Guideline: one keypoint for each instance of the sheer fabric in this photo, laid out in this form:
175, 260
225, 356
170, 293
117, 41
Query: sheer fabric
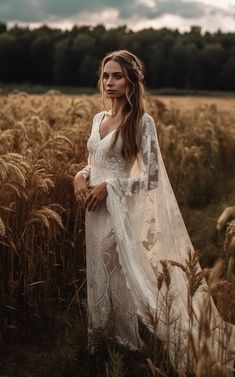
127, 237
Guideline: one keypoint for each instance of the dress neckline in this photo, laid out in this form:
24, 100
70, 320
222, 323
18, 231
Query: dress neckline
99, 124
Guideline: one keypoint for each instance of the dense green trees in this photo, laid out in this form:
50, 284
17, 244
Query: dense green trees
190, 60
10, 57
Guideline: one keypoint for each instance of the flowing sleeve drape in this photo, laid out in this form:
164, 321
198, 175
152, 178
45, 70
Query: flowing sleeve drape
149, 228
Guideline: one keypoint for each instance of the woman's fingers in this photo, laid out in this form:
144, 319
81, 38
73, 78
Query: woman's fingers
80, 197
80, 189
91, 202
95, 196
94, 205
88, 199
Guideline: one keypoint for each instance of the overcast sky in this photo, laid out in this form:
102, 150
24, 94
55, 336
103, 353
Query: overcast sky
136, 14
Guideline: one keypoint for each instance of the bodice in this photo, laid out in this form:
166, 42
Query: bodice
105, 162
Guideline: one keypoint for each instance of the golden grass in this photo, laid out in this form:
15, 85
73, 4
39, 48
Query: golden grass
190, 102
208, 354
42, 146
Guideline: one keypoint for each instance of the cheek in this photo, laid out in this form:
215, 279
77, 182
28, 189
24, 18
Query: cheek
124, 85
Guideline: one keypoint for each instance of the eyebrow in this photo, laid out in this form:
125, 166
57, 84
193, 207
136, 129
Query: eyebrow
113, 72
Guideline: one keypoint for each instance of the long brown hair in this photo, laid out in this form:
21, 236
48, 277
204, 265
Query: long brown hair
133, 110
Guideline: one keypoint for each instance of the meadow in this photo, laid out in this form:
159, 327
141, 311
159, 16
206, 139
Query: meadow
42, 251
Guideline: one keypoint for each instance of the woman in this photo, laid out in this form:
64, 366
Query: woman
132, 224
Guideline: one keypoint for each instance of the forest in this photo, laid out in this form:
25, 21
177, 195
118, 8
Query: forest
182, 60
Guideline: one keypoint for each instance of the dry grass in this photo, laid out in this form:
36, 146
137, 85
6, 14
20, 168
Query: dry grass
210, 352
42, 145
190, 102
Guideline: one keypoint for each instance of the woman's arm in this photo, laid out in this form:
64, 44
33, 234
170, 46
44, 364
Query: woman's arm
81, 188
85, 172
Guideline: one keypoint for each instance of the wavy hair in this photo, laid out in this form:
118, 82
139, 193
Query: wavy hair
133, 110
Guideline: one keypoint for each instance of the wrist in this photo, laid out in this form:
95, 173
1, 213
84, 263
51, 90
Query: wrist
79, 175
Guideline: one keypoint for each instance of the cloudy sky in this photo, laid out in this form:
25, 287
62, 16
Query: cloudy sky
136, 14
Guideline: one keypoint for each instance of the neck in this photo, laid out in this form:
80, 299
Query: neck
117, 105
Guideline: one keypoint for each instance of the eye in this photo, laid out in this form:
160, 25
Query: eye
118, 76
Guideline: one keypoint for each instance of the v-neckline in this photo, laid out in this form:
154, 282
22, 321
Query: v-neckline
99, 124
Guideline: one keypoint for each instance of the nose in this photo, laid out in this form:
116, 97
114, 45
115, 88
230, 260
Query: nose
110, 81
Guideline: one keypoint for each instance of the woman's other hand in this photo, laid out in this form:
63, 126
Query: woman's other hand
81, 189
96, 195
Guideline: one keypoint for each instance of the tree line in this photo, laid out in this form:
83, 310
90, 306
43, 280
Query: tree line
189, 60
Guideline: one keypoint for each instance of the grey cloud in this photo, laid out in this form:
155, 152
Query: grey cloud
56, 10
175, 7
62, 8
21, 10
44, 10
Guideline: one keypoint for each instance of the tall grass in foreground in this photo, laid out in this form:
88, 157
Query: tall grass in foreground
42, 146
208, 354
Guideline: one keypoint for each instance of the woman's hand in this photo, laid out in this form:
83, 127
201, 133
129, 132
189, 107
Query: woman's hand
81, 189
96, 195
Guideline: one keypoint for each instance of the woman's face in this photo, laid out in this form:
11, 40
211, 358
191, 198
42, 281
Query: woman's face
115, 83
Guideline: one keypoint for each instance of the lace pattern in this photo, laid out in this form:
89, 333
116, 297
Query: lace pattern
126, 238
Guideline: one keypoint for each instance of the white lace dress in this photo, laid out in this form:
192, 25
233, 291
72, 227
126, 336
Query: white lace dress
127, 237
111, 310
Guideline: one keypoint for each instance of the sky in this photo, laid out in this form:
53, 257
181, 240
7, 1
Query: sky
211, 15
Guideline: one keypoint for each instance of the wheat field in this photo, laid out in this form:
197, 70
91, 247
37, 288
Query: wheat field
42, 252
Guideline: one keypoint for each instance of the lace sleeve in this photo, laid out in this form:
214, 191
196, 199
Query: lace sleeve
147, 160
85, 172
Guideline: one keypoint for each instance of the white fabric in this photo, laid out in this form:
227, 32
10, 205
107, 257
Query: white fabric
126, 238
